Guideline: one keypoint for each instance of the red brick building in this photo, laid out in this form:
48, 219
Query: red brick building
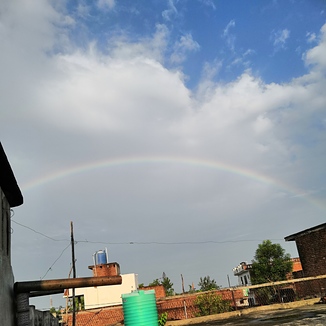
311, 245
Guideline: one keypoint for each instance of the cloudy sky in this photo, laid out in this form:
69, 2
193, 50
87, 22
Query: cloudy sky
178, 134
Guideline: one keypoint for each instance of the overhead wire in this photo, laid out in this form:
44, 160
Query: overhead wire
147, 242
50, 268
130, 243
44, 235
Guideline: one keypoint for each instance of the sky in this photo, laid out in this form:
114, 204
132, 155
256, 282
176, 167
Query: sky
178, 134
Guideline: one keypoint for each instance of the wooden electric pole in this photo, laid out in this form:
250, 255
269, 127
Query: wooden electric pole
73, 273
184, 301
233, 299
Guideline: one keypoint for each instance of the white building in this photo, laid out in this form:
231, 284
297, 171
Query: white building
243, 273
108, 295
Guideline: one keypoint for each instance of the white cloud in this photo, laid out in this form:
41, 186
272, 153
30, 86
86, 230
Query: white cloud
82, 10
227, 34
151, 47
262, 124
279, 38
230, 25
311, 37
169, 13
106, 4
316, 56
182, 47
209, 3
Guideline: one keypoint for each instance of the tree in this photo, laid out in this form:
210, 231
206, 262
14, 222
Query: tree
207, 284
167, 284
271, 263
155, 282
56, 312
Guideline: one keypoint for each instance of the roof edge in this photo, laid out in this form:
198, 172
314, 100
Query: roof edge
8, 181
293, 236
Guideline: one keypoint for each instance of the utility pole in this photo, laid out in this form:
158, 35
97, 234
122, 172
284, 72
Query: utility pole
184, 301
233, 299
73, 273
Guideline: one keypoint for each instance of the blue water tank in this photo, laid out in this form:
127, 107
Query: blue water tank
101, 257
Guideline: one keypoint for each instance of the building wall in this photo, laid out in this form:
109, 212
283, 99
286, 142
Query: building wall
159, 290
312, 252
110, 269
6, 274
108, 295
96, 317
242, 271
176, 306
44, 318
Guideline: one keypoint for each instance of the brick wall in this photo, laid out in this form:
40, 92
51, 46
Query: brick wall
174, 306
178, 306
159, 290
98, 317
312, 252
110, 269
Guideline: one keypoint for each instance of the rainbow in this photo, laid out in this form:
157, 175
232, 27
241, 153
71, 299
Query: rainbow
198, 163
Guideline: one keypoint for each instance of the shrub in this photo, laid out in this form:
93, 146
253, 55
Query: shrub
163, 318
210, 303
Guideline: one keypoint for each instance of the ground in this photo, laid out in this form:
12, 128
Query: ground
297, 316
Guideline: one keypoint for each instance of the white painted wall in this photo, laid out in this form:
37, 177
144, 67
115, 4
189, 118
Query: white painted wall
107, 295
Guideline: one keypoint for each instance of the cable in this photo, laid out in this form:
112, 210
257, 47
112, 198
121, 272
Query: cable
44, 235
174, 243
50, 268
147, 242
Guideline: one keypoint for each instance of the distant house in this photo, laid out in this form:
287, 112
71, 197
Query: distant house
109, 295
10, 197
242, 271
311, 245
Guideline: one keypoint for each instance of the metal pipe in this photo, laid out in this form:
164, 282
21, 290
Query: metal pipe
43, 293
66, 283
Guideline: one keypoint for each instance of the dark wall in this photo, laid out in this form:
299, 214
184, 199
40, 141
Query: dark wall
312, 252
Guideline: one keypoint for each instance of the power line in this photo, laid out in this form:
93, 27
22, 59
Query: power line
44, 235
50, 268
147, 242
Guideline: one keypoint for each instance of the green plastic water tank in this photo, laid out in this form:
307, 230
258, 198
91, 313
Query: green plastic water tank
139, 308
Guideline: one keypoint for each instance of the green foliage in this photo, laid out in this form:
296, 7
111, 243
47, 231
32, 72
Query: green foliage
167, 284
271, 263
79, 303
191, 289
207, 284
56, 312
163, 318
155, 282
141, 285
210, 303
